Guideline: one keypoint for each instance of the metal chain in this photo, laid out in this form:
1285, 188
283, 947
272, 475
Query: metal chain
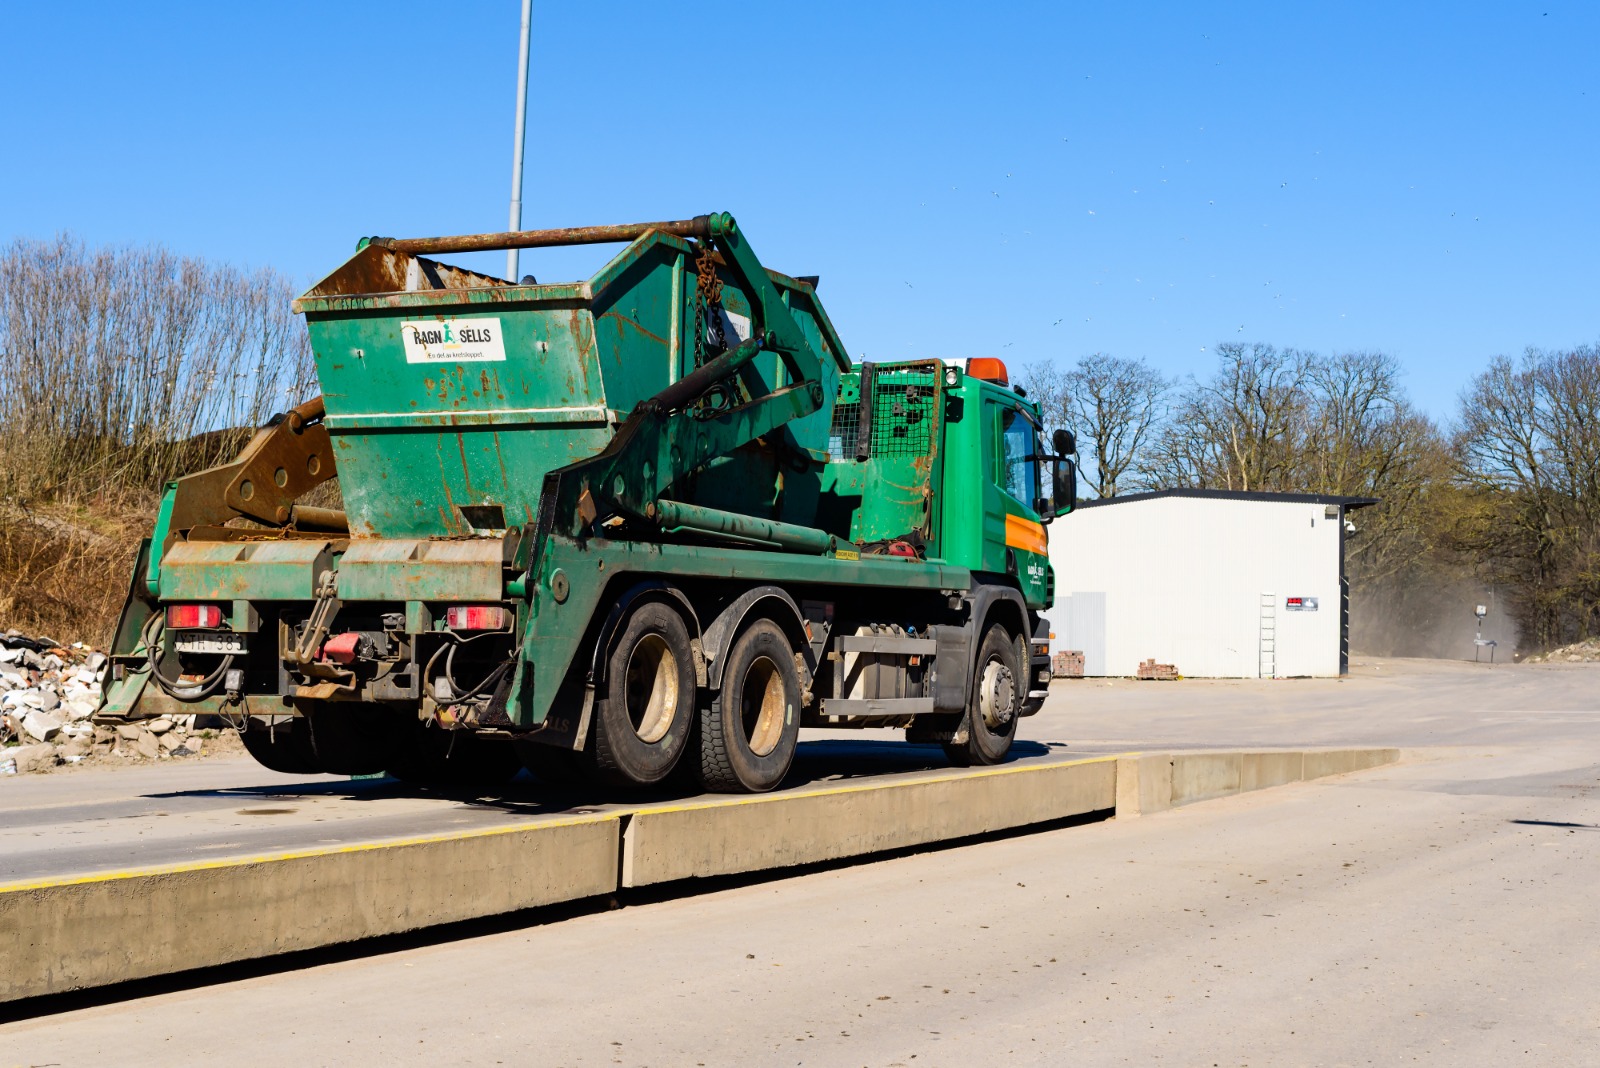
707, 305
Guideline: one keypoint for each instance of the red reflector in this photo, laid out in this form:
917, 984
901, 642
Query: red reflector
476, 617
193, 616
989, 369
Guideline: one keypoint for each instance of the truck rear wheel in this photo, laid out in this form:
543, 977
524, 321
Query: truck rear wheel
282, 745
998, 682
437, 757
642, 723
749, 732
348, 738
556, 768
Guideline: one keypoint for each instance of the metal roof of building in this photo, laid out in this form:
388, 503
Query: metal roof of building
1237, 495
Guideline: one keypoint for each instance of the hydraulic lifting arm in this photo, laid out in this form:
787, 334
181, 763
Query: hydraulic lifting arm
667, 436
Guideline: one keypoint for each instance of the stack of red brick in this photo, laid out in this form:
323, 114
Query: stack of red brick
1149, 669
1068, 665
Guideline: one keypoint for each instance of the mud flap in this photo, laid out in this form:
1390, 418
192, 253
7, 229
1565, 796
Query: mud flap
121, 696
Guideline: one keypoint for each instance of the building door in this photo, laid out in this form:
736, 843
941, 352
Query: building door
1089, 630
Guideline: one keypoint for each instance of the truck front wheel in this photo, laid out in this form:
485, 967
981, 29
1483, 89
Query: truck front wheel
642, 723
748, 734
998, 682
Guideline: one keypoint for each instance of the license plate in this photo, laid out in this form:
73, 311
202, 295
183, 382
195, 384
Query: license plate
198, 642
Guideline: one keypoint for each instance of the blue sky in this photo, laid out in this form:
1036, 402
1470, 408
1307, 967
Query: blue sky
1028, 181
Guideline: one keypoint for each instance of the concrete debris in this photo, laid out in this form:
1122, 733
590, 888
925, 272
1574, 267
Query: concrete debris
147, 746
1584, 652
26, 758
41, 726
48, 694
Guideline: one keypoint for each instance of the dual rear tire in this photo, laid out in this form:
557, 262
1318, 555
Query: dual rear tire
749, 730
650, 718
643, 720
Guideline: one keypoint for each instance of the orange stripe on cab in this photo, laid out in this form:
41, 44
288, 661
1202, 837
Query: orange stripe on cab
1026, 535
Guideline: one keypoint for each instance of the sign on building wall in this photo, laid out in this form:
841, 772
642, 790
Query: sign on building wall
1300, 604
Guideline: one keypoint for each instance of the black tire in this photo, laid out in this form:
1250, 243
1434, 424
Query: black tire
560, 769
357, 739
994, 702
282, 746
457, 758
642, 720
749, 731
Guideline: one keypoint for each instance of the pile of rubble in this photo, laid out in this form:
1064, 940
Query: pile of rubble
47, 694
1584, 652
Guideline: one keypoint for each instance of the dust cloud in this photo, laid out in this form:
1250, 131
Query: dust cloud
1433, 619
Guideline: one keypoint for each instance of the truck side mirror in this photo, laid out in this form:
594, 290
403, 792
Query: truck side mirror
1063, 488
1064, 443
1063, 481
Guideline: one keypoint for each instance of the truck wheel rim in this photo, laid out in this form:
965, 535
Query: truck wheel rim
761, 706
997, 694
652, 688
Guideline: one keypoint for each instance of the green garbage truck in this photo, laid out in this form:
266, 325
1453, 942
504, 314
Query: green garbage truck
646, 525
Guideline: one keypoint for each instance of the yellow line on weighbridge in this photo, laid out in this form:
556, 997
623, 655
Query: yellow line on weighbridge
950, 776
488, 832
305, 854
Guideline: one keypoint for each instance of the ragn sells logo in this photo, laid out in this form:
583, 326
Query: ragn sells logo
453, 341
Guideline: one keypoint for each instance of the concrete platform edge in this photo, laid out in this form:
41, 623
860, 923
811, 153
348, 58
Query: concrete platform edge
95, 930
760, 833
1154, 782
72, 934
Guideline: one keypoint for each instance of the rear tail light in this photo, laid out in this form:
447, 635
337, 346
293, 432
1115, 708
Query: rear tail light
477, 617
193, 617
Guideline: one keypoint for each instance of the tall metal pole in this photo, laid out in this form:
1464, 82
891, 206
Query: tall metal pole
516, 154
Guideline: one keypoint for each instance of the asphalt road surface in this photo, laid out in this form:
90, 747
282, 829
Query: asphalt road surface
1439, 911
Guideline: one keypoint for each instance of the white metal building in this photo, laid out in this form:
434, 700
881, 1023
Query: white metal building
1219, 584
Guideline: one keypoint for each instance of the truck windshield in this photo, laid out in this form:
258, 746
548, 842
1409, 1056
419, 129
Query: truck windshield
1019, 461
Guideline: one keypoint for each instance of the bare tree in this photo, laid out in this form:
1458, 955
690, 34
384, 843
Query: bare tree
1529, 448
1112, 404
1239, 429
122, 367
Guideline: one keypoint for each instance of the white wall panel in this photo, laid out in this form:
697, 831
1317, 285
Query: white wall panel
1182, 579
